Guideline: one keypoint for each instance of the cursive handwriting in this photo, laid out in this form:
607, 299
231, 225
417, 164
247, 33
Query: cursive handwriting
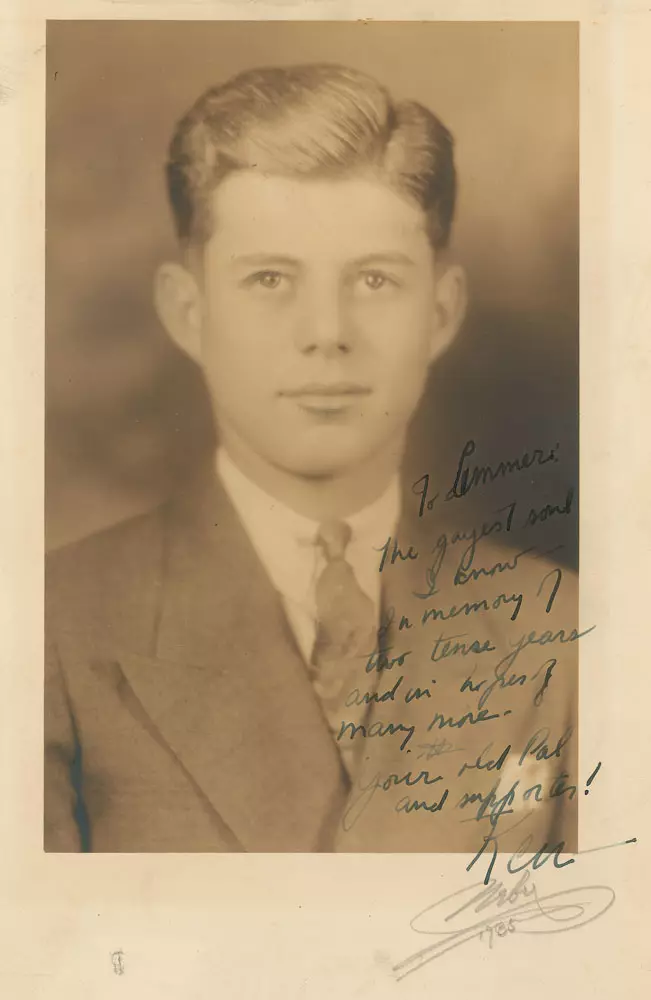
359, 801
376, 729
472, 608
536, 860
490, 912
468, 478
543, 639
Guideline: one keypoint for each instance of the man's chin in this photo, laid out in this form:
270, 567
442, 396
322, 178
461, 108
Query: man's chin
332, 463
333, 455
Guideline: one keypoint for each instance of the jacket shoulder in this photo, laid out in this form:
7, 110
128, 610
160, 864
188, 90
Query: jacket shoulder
107, 584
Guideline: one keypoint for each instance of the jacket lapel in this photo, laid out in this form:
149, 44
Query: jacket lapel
227, 688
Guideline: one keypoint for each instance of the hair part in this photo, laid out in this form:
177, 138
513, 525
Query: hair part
316, 120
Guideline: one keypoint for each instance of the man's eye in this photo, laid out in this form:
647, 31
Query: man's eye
266, 279
375, 280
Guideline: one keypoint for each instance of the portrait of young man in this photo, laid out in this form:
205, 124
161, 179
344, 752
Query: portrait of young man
293, 650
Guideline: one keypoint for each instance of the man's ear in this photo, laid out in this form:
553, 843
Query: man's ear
177, 299
450, 307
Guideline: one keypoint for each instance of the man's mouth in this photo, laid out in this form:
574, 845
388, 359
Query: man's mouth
324, 398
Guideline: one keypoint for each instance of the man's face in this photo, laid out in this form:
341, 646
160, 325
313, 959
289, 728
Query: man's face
319, 319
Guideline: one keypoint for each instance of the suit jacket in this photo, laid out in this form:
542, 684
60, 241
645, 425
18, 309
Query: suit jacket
179, 715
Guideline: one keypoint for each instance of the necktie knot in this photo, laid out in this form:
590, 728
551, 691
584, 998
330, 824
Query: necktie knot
333, 538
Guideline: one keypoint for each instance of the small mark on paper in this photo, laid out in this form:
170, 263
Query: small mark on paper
117, 958
5, 92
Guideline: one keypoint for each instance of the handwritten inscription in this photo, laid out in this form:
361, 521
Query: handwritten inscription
495, 909
488, 913
474, 674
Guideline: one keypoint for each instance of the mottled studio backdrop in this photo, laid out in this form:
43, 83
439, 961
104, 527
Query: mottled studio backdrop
127, 415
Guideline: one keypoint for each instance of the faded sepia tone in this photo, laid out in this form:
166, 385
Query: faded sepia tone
186, 706
124, 408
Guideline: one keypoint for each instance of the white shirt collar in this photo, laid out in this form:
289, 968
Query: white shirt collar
285, 543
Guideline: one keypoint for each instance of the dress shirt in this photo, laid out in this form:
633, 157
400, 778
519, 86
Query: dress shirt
286, 545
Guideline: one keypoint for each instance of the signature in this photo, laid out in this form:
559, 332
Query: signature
489, 912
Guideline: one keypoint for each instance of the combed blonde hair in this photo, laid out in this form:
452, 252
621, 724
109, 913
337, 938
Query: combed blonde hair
308, 120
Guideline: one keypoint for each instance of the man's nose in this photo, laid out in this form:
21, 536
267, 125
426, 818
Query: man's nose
325, 324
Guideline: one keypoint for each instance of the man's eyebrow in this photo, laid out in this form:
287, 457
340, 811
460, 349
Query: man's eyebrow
386, 257
270, 259
265, 259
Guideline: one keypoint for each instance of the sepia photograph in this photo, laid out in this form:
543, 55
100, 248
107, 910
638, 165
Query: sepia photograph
312, 438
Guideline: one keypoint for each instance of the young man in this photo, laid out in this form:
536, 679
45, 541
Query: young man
215, 676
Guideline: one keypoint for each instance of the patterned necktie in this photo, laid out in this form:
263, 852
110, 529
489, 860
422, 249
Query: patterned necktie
346, 636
